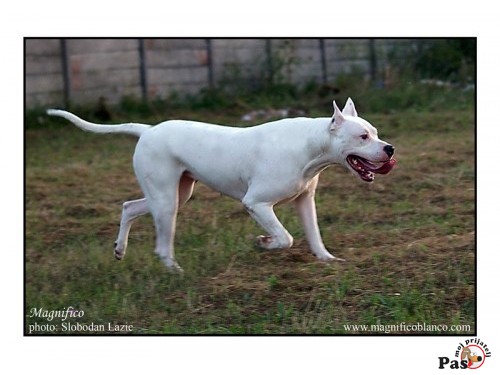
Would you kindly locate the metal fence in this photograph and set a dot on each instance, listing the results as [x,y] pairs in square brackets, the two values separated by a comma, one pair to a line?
[63,71]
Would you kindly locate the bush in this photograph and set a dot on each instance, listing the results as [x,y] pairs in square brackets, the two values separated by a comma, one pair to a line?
[445,59]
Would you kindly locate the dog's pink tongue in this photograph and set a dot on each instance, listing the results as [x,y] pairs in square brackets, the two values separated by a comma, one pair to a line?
[386,167]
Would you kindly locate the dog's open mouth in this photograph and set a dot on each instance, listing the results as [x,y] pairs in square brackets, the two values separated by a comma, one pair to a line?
[367,169]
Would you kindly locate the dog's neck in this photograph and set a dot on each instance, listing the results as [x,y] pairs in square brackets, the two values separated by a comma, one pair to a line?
[320,150]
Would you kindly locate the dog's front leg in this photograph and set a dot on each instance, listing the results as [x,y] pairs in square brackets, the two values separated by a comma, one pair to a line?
[263,213]
[306,208]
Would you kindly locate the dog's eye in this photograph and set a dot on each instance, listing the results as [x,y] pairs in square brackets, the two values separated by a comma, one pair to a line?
[364,136]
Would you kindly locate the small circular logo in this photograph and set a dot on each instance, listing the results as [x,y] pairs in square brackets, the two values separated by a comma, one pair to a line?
[474,355]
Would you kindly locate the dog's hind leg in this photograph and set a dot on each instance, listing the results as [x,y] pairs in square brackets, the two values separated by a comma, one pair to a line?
[164,210]
[159,174]
[161,189]
[131,211]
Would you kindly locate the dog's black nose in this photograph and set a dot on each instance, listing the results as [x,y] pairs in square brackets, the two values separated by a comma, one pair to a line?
[389,150]
[479,358]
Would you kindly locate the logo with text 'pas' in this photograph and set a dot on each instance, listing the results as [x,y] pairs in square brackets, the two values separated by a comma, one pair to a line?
[468,355]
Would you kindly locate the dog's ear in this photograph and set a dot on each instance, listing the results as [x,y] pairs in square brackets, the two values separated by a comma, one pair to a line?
[465,353]
[338,118]
[350,109]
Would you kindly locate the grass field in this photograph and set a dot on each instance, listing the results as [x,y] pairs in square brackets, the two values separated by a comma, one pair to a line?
[408,240]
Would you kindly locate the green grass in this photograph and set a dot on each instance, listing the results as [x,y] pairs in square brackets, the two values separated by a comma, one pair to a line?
[408,239]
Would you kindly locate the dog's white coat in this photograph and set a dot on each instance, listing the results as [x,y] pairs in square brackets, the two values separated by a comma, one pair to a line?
[260,166]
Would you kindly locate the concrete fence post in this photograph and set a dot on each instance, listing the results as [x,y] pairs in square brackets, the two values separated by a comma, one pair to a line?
[210,66]
[373,61]
[65,73]
[143,70]
[324,73]
[269,62]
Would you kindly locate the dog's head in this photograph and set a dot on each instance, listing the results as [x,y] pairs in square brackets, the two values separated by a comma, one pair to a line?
[466,353]
[357,143]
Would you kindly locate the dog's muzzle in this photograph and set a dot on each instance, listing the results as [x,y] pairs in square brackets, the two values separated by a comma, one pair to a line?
[367,169]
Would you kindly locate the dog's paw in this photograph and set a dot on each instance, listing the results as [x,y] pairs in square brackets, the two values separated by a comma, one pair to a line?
[119,251]
[271,243]
[172,265]
[264,242]
[329,258]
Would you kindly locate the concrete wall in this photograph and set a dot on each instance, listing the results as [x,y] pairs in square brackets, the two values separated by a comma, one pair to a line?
[44,78]
[82,70]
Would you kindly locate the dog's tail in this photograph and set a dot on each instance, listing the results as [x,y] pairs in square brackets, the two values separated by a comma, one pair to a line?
[130,128]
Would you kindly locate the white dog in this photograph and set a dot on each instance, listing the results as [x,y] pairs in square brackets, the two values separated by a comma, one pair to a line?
[261,166]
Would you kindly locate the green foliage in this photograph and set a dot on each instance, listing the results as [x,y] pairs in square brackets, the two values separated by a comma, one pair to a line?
[451,59]
[406,94]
